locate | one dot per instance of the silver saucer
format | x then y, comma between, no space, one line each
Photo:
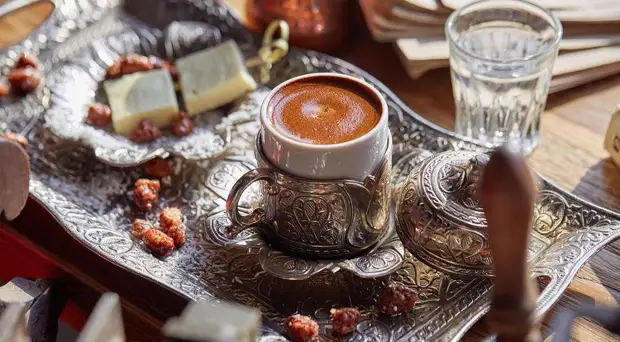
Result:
386,257
76,84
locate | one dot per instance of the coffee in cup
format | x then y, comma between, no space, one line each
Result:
325,126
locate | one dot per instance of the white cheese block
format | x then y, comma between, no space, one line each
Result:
141,95
213,77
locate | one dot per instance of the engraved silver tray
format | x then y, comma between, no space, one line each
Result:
92,200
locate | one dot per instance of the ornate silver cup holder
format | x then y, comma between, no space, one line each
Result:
384,258
90,199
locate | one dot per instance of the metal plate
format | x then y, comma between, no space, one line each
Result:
93,202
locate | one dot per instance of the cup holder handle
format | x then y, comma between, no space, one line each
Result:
239,220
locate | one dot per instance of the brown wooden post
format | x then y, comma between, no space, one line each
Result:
507,194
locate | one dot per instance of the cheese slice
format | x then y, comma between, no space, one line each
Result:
141,95
213,77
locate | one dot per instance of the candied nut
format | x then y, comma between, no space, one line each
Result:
171,223
170,216
135,63
344,320
27,60
139,227
158,168
4,90
146,193
396,299
182,125
24,80
301,328
128,64
158,242
113,70
146,131
99,114
15,137
177,233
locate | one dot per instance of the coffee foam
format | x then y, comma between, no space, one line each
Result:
324,110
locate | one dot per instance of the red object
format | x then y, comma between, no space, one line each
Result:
396,299
301,328
314,24
26,262
344,320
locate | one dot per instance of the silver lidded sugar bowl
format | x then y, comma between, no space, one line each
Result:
438,216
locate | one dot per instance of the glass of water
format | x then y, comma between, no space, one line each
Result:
501,58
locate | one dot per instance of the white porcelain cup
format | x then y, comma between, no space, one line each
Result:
354,160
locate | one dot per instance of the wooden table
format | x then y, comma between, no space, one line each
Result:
570,155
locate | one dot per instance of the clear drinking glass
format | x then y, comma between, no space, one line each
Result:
501,58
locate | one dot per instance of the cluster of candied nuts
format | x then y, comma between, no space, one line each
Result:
146,131
171,229
24,77
395,299
304,329
130,63
161,241
15,137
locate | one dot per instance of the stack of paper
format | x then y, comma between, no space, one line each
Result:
589,50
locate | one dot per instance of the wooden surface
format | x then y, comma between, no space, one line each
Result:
570,155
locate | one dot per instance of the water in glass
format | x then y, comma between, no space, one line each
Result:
501,70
